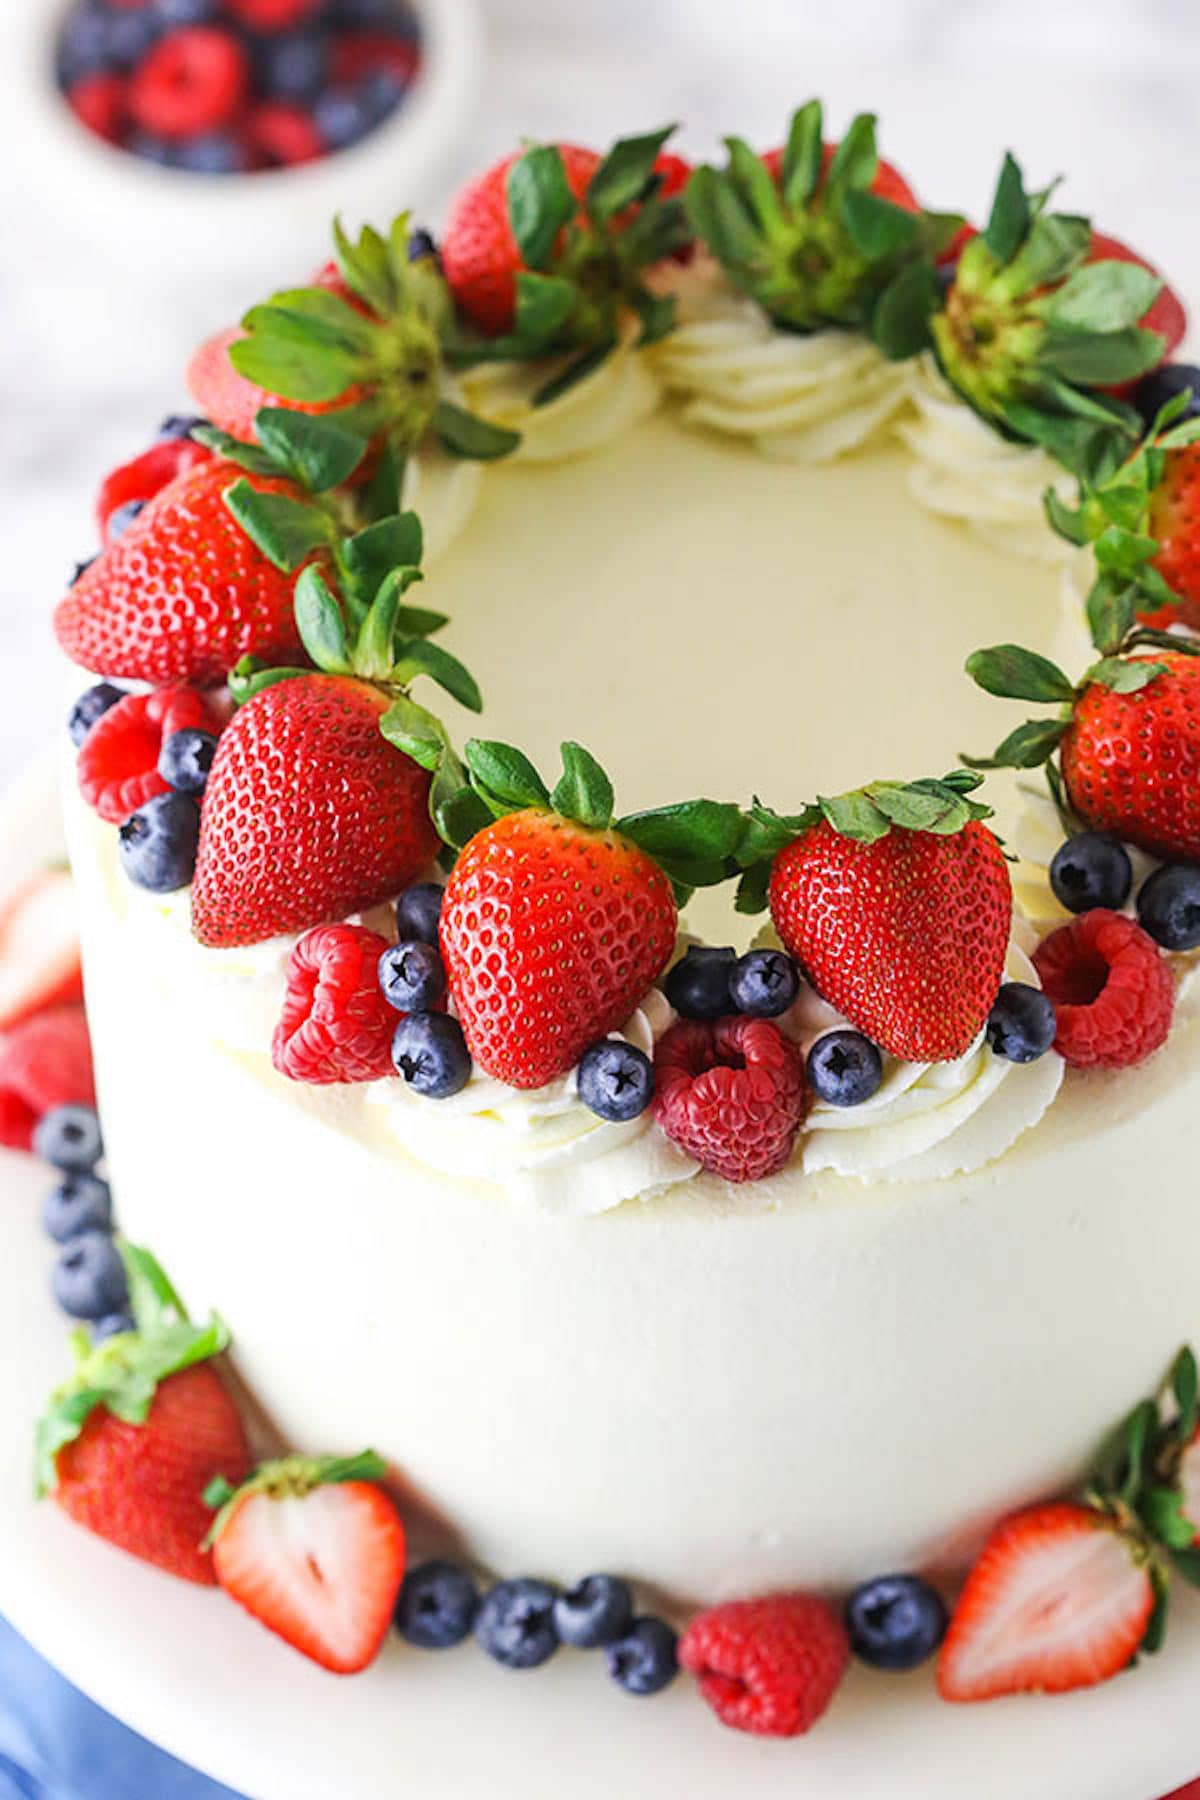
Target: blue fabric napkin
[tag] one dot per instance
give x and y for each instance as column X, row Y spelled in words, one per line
column 55, row 1744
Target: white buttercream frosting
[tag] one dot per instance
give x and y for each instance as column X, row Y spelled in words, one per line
column 964, row 469
column 543, row 1145
column 602, row 406
column 805, row 398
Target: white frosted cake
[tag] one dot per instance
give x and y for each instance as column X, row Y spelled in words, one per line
column 743, row 553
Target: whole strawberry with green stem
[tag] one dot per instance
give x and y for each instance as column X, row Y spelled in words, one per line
column 362, row 344
column 558, row 917
column 130, row 1442
column 321, row 796
column 1122, row 748
column 1142, row 525
column 547, row 252
column 896, row 901
column 815, row 232
column 1034, row 331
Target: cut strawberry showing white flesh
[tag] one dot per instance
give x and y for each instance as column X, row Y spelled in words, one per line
column 1189, row 1484
column 1059, row 1599
column 316, row 1557
column 39, row 947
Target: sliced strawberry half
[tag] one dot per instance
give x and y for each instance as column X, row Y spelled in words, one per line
column 39, row 947
column 315, row 1552
column 1059, row 1599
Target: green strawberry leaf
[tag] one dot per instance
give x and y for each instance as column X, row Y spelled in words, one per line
column 377, row 646
column 504, row 776
column 316, row 453
column 418, row 656
column 802, row 156
column 575, row 370
column 1161, row 1510
column 751, row 896
column 1124, row 677
column 251, row 675
column 1102, row 360
column 1068, row 522
column 875, row 226
column 584, row 792
column 1185, row 1385
column 625, row 174
column 1016, row 674
column 320, row 624
column 414, row 730
column 753, row 181
column 287, row 531
column 698, row 831
column 1186, row 1563
column 1010, row 218
column 719, row 216
column 1101, row 297
column 369, row 557
column 854, row 163
column 900, row 321
column 466, row 435
column 1111, row 613
column 1028, row 747
column 250, row 457
column 540, row 202
column 381, row 497
column 856, row 816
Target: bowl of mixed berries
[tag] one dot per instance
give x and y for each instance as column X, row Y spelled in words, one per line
column 218, row 126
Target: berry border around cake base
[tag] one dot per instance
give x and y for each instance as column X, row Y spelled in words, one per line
column 213, row 1689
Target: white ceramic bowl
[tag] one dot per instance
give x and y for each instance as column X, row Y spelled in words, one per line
column 125, row 206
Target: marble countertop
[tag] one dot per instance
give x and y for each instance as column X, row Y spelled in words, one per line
column 93, row 342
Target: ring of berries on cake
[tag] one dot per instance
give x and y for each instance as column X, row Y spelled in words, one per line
column 448, row 934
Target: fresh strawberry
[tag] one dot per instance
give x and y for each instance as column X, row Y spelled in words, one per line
column 232, row 401
column 39, row 947
column 357, row 54
column 1165, row 314
column 99, row 101
column 45, row 1062
column 1043, row 320
column 556, row 919
column 280, row 136
column 271, row 15
column 117, row 765
column 193, row 80
column 132, row 1440
column 815, row 232
column 336, row 1024
column 731, row 1093
column 1059, row 1599
column 897, row 901
column 315, row 1552
column 1174, row 521
column 1128, row 736
column 147, row 474
column 309, row 813
column 1111, row 987
column 769, row 1666
column 563, row 212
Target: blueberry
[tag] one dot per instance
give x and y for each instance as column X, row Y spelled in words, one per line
column 158, row 843
column 185, row 760
column 764, row 983
column 89, row 1277
column 69, row 1139
column 380, row 93
column 1091, row 869
column 698, row 985
column 418, row 912
column 596, row 1611
column 212, row 153
column 81, row 568
column 1022, row 1023
column 616, row 1080
column 180, row 425
column 163, row 151
column 82, row 45
column 895, row 1622
column 411, row 976
column 368, row 15
column 342, row 117
column 1168, row 906
column 437, row 1606
column 112, row 1325
column 430, row 1052
column 91, row 705
column 515, row 1623
column 421, row 243
column 1154, row 390
column 131, row 35
column 186, row 12
column 844, row 1068
column 81, row 1202
column 122, row 517
column 644, row 1661
column 294, row 66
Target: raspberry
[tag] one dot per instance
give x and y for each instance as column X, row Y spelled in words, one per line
column 142, row 478
column 360, row 53
column 45, row 1062
column 271, row 15
column 731, row 1092
column 98, row 101
column 280, row 135
column 1112, row 988
column 118, row 761
column 336, row 1024
column 194, row 80
column 768, row 1666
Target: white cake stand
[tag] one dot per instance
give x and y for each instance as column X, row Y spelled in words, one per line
column 189, row 1671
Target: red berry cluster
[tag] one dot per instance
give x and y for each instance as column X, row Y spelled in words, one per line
column 228, row 87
